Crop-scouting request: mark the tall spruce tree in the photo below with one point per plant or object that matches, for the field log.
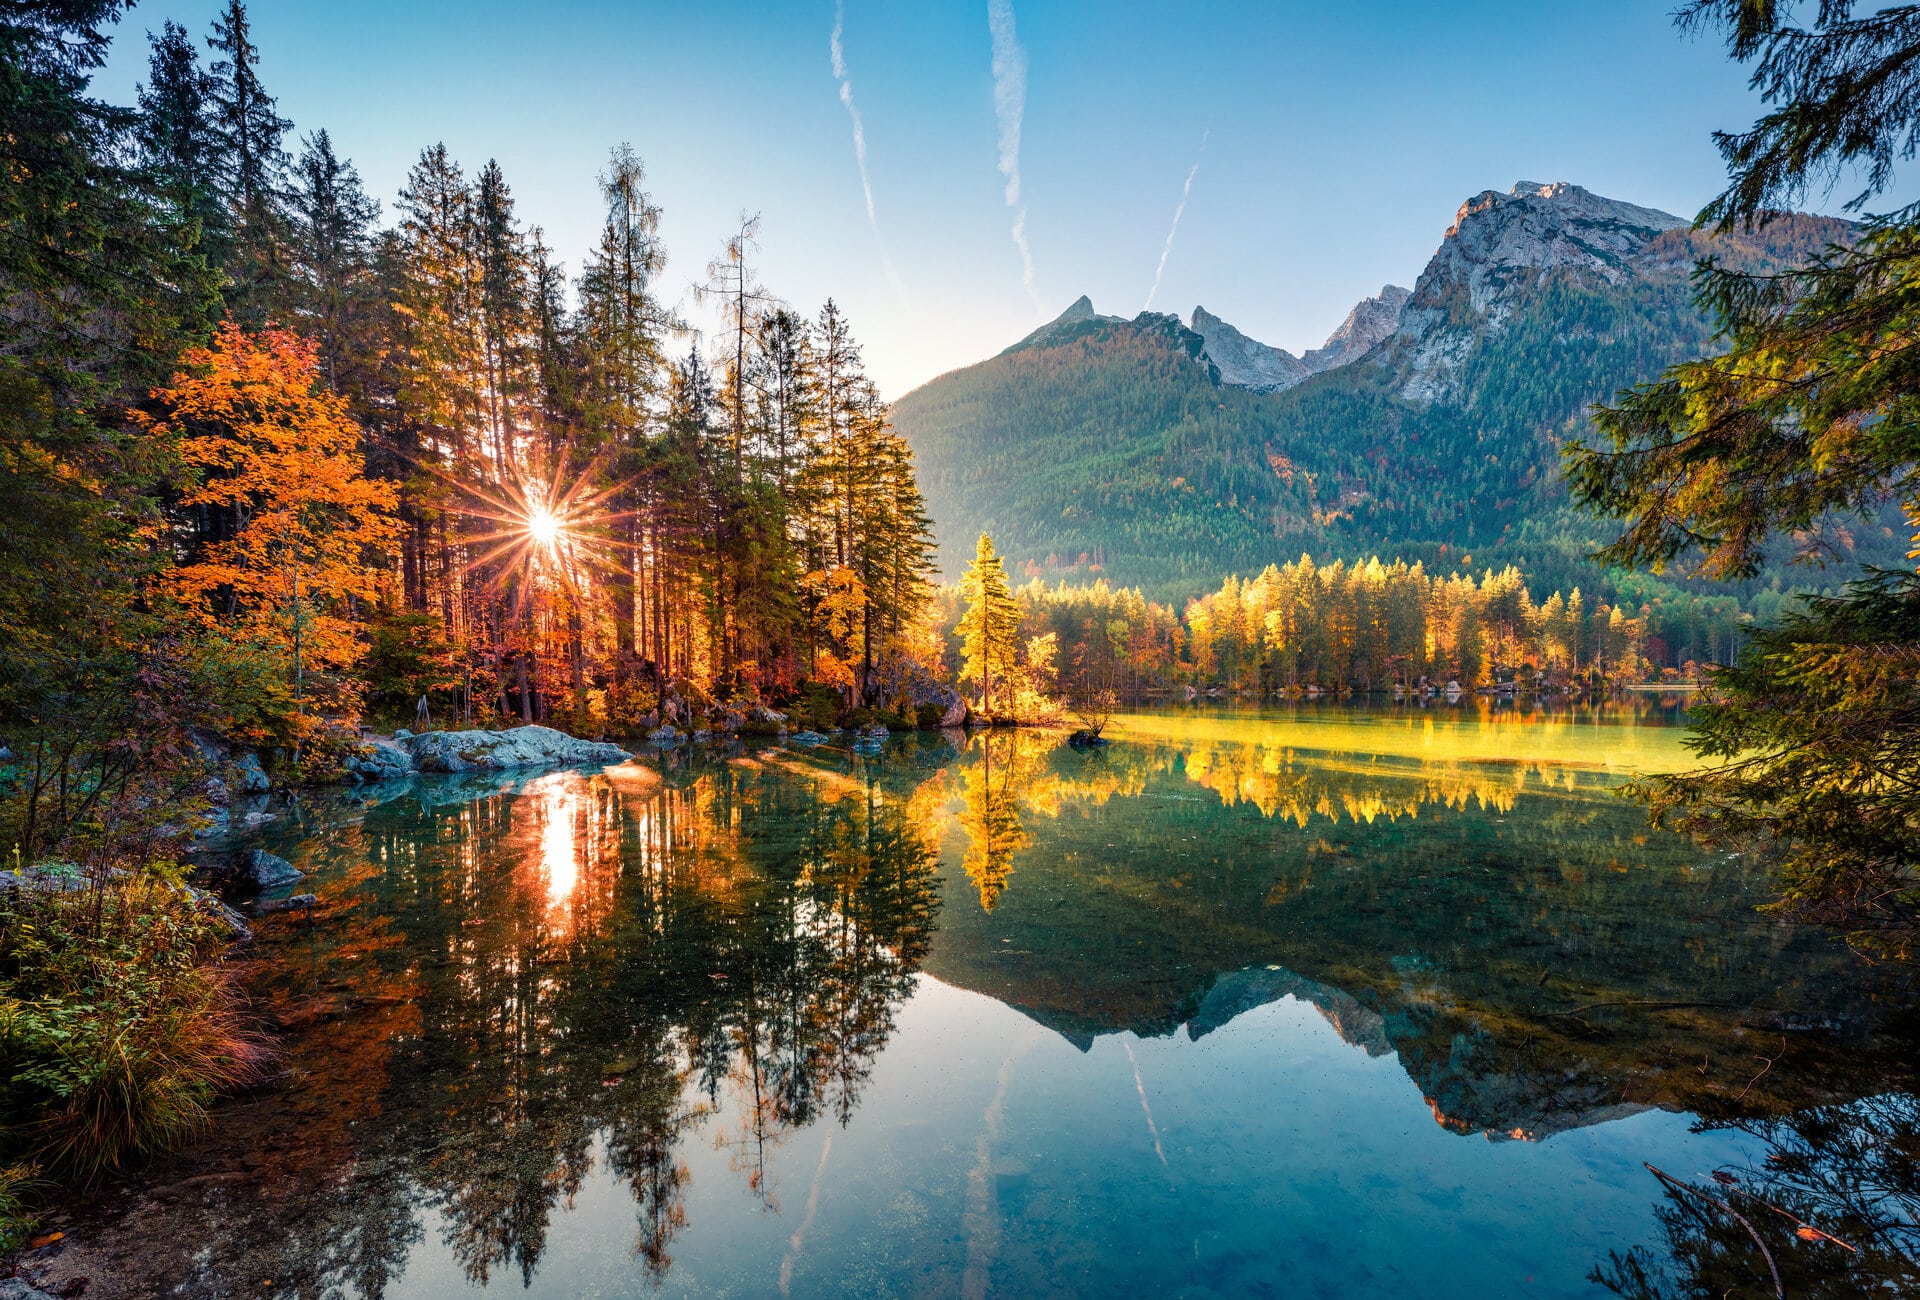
(251, 169)
(177, 140)
(332, 244)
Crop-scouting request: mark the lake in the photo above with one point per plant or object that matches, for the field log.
(1314, 1001)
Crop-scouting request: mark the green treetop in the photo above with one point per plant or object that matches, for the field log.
(991, 625)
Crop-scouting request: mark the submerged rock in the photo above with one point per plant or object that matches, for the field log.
(663, 736)
(1084, 739)
(807, 738)
(491, 751)
(294, 903)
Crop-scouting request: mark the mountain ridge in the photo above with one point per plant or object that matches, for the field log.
(1166, 454)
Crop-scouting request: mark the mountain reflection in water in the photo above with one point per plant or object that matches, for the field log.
(720, 1026)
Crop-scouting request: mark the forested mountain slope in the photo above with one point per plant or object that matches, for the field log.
(1112, 447)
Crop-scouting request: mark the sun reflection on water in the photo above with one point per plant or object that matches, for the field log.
(559, 853)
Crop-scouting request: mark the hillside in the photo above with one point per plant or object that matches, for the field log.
(1157, 453)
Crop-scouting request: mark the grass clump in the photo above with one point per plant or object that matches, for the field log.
(118, 1023)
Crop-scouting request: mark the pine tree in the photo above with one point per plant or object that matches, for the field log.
(990, 627)
(178, 143)
(332, 242)
(621, 326)
(252, 166)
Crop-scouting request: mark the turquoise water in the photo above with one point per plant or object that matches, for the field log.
(1314, 1002)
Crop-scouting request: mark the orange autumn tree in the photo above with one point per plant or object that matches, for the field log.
(276, 458)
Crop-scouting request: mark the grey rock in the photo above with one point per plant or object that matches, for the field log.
(1498, 245)
(1371, 322)
(248, 776)
(271, 872)
(492, 751)
(1241, 362)
(53, 877)
(402, 734)
(663, 736)
(956, 714)
(701, 736)
(376, 763)
(17, 1288)
(808, 738)
(230, 918)
(1069, 324)
(294, 903)
(68, 879)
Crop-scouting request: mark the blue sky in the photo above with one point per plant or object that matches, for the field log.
(1339, 139)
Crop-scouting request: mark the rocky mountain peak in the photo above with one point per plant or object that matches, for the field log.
(1244, 362)
(1498, 245)
(1077, 321)
(1082, 309)
(1371, 321)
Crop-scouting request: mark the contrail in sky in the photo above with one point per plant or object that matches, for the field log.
(859, 139)
(1009, 107)
(1178, 212)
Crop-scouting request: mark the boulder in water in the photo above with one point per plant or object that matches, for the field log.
(493, 751)
(372, 764)
(271, 872)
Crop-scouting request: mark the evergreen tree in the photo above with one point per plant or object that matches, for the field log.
(621, 325)
(332, 238)
(990, 627)
(97, 293)
(177, 140)
(252, 165)
(1807, 415)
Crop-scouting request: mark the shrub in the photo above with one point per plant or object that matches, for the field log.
(16, 1216)
(118, 1025)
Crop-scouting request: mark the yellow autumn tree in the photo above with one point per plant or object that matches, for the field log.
(838, 619)
(276, 461)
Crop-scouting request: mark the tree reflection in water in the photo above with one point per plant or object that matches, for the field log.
(590, 971)
(512, 986)
(1850, 1172)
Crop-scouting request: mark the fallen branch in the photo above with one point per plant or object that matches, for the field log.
(1669, 1181)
